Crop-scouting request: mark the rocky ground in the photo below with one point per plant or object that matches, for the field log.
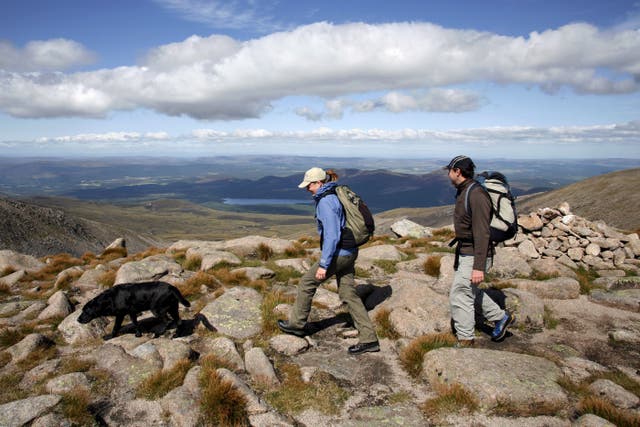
(572, 358)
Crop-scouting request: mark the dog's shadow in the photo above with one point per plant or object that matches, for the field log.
(154, 325)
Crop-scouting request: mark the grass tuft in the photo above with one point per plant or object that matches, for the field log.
(529, 409)
(228, 278)
(54, 265)
(451, 398)
(75, 407)
(160, 383)
(264, 252)
(384, 327)
(192, 263)
(388, 266)
(221, 403)
(193, 284)
(296, 250)
(113, 253)
(294, 395)
(431, 266)
(269, 318)
(107, 279)
(586, 278)
(8, 387)
(606, 410)
(443, 234)
(412, 355)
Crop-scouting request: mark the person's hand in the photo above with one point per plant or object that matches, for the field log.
(321, 273)
(477, 276)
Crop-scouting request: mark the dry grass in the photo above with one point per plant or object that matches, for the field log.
(75, 407)
(107, 279)
(531, 409)
(269, 318)
(192, 286)
(6, 271)
(68, 279)
(388, 266)
(451, 398)
(264, 252)
(113, 253)
(8, 387)
(227, 278)
(384, 328)
(586, 278)
(431, 266)
(160, 383)
(443, 234)
(539, 275)
(73, 364)
(192, 263)
(153, 250)
(221, 403)
(4, 358)
(5, 289)
(54, 265)
(296, 250)
(606, 410)
(284, 274)
(619, 378)
(294, 395)
(11, 336)
(37, 357)
(412, 355)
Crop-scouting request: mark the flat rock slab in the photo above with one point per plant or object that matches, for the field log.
(558, 288)
(497, 377)
(396, 415)
(626, 299)
(236, 313)
(20, 412)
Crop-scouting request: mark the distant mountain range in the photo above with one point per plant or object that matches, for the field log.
(48, 225)
(383, 183)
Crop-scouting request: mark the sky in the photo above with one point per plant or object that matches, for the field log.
(402, 79)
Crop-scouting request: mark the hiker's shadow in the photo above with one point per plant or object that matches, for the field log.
(481, 323)
(371, 297)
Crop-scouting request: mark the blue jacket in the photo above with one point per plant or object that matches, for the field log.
(331, 221)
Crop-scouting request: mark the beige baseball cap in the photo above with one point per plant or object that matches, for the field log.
(313, 175)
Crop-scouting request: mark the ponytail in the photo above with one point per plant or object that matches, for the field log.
(331, 175)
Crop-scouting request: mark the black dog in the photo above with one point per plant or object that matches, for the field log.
(133, 298)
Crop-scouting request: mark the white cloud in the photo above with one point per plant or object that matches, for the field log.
(221, 78)
(224, 14)
(308, 114)
(44, 55)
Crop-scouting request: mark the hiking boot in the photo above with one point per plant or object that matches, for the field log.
(501, 327)
(465, 344)
(364, 347)
(287, 329)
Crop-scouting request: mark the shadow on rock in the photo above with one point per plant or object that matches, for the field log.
(372, 296)
(154, 325)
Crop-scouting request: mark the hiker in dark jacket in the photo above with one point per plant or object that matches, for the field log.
(334, 259)
(474, 253)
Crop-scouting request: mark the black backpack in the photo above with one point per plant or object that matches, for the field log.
(504, 217)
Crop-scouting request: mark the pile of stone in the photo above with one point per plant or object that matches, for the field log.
(574, 241)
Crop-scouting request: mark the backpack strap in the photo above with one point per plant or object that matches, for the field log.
(467, 208)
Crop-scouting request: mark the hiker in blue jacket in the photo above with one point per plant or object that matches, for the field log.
(334, 259)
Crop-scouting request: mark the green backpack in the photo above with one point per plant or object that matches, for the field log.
(359, 225)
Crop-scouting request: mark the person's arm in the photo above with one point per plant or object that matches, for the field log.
(328, 215)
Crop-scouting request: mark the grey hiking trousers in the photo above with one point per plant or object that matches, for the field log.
(465, 299)
(344, 270)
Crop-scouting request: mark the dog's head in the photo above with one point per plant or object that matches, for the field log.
(102, 305)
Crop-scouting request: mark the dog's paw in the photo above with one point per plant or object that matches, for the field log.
(107, 337)
(138, 334)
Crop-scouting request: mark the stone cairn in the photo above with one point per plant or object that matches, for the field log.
(574, 241)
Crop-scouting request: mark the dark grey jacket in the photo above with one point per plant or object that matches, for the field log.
(472, 228)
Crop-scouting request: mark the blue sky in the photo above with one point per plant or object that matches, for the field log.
(408, 79)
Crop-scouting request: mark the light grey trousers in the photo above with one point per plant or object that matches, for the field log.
(465, 299)
(343, 268)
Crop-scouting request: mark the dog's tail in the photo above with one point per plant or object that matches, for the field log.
(203, 319)
(178, 295)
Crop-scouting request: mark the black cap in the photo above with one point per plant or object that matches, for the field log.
(460, 162)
